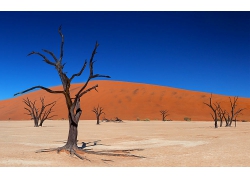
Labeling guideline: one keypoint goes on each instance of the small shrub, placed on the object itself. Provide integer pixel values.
(187, 119)
(137, 119)
(243, 120)
(146, 119)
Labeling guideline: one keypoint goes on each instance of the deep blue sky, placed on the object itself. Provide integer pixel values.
(201, 51)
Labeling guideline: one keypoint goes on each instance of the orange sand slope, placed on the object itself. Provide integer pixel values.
(128, 101)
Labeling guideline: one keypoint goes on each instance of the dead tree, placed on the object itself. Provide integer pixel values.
(98, 111)
(221, 113)
(232, 115)
(214, 108)
(73, 103)
(39, 115)
(164, 114)
(32, 110)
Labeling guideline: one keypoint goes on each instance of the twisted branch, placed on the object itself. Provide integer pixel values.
(39, 87)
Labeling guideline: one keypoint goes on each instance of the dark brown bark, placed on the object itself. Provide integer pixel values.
(35, 122)
(164, 114)
(73, 104)
(74, 116)
(98, 111)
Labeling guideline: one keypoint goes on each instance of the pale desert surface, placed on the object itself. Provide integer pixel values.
(162, 144)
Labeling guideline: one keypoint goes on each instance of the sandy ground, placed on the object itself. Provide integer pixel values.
(163, 144)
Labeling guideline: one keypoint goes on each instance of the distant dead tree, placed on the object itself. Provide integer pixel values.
(232, 115)
(214, 108)
(164, 114)
(222, 114)
(39, 115)
(33, 112)
(98, 111)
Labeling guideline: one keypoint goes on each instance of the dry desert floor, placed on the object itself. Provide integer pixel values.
(162, 144)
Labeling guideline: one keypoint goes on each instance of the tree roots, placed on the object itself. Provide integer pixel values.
(77, 151)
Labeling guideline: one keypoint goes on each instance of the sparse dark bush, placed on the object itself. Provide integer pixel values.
(187, 119)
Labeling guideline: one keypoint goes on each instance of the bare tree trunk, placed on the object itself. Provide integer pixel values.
(227, 120)
(74, 116)
(98, 120)
(220, 122)
(41, 122)
(230, 124)
(35, 122)
(72, 136)
(215, 123)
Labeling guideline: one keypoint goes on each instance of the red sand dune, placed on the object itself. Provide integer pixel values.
(128, 101)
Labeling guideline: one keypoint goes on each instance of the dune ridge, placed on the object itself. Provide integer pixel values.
(128, 101)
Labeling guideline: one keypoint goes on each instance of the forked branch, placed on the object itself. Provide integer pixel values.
(214, 108)
(52, 54)
(79, 74)
(44, 58)
(91, 75)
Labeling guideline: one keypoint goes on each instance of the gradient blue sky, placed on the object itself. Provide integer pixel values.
(200, 51)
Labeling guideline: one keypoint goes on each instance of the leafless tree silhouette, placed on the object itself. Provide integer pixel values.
(223, 114)
(98, 111)
(73, 104)
(214, 108)
(232, 115)
(164, 114)
(39, 114)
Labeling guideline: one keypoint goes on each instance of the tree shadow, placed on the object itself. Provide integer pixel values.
(85, 148)
(119, 152)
